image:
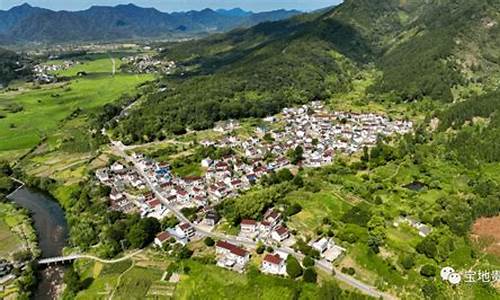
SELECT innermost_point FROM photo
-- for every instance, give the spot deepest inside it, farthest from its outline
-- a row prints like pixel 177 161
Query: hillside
pixel 418 48
pixel 30 24
pixel 12 66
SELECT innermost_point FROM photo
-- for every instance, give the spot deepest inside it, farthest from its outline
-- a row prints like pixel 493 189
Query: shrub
pixel 209 241
pixel 310 275
pixel 428 271
pixel 308 262
pixel 349 271
pixel 293 267
pixel 408 262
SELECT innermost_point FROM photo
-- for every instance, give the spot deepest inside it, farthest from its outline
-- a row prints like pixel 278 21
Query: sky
pixel 178 5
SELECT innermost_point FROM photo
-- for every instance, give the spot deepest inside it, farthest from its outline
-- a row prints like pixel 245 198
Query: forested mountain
pixel 30 24
pixel 431 48
pixel 12 66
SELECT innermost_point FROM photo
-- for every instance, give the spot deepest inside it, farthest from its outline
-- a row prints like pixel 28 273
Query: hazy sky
pixel 178 5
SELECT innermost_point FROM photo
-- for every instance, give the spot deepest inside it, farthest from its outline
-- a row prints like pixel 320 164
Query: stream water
pixel 52 230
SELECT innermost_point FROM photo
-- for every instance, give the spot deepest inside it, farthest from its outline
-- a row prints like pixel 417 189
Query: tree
pixel 184 253
pixel 284 175
pixel 72 281
pixel 293 267
pixel 298 181
pixel 143 232
pixel 428 271
pixel 310 275
pixel 308 262
pixel 169 222
pixel 295 155
pixel 359 214
pixel 349 270
pixel 430 291
pixel 293 209
pixel 137 236
pixel 260 249
pixel 428 247
pixel 5 168
pixel 209 241
pixel 408 261
pixel 6 184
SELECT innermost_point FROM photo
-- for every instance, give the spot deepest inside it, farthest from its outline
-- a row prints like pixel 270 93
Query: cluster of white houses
pixel 423 230
pixel 318 132
pixel 148 64
pixel 311 127
pixel 270 229
pixel 235 258
pixel 181 234
pixel 43 73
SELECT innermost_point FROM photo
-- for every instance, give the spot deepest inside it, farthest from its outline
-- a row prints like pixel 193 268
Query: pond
pixel 415 186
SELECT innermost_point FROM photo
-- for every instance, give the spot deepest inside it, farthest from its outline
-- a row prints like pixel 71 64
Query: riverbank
pixel 18 246
pixel 52 232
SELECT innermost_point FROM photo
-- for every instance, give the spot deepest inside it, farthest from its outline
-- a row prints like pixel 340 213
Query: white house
pixel 161 238
pixel 115 195
pixel 232 252
pixel 102 175
pixel 185 229
pixel 118 168
pixel 207 162
pixel 273 264
pixel 272 216
pixel 321 245
pixel 280 233
pixel 248 226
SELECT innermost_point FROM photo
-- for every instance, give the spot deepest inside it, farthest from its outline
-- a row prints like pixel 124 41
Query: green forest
pixel 258 71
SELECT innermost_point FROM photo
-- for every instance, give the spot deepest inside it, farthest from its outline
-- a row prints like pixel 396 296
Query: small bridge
pixel 58 259
pixel 72 257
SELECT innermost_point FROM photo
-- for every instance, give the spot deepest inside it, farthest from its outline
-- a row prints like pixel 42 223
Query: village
pixel 147 64
pixel 44 73
pixel 319 134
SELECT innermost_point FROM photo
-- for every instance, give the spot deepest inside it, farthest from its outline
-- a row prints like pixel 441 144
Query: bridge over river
pixel 72 257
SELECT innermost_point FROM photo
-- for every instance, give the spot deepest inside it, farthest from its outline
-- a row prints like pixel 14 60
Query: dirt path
pixel 111 261
pixel 119 279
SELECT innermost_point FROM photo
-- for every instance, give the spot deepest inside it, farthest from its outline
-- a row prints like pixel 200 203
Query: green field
pixel 315 207
pixel 212 282
pixel 44 108
pixel 9 241
pixel 16 232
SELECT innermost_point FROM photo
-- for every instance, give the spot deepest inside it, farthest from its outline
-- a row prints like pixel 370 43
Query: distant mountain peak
pixel 235 12
pixel 23 6
pixel 129 6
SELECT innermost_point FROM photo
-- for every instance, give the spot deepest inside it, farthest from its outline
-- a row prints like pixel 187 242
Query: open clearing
pixel 487 230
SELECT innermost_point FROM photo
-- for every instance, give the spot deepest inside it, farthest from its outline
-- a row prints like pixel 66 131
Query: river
pixel 52 230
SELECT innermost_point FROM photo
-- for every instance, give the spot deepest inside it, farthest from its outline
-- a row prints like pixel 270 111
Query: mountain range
pixel 438 49
pixel 25 23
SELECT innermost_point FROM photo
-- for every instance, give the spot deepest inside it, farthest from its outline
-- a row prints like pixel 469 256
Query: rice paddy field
pixel 30 113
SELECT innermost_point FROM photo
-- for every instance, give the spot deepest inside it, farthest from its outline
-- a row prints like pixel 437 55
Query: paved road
pixel 324 266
